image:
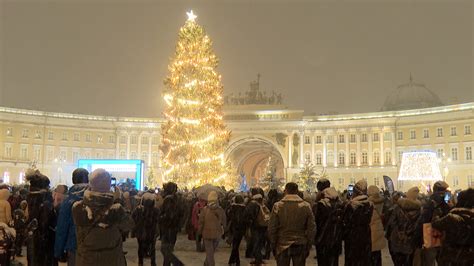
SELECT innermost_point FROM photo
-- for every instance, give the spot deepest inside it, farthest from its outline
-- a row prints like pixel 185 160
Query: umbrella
pixel 203 191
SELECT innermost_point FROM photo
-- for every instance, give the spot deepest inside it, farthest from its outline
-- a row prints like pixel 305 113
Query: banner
pixel 388 184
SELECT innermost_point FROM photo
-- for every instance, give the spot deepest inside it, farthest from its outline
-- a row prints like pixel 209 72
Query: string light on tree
pixel 194 136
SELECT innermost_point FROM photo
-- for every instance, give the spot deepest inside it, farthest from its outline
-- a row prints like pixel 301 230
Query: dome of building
pixel 411 96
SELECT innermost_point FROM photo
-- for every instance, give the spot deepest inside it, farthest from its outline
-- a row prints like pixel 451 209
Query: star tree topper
pixel 191 16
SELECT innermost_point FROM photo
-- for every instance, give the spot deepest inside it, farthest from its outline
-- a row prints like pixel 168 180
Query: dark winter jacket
pixel 146 218
pixel 328 212
pixel 65 228
pixel 458 242
pixel 401 227
pixel 236 217
pixel 40 226
pixel 357 236
pixel 251 213
pixel 99 226
pixel 434 209
pixel 171 214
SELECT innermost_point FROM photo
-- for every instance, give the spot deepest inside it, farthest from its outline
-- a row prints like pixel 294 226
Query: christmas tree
pixel 307 178
pixel 194 135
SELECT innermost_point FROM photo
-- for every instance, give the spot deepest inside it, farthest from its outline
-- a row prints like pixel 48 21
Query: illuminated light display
pixel 194 135
pixel 419 166
pixel 120 169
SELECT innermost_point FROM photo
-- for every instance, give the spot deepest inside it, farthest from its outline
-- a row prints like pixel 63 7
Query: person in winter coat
pixel 291 228
pixel 99 224
pixel 146 218
pixel 212 220
pixel 357 218
pixel 20 225
pixel 170 217
pixel 65 240
pixel 40 242
pixel 258 216
pixel 328 214
pixel 434 209
pixel 457 248
pixel 5 208
pixel 197 208
pixel 321 185
pixel 59 194
pixel 401 228
pixel 238 226
pixel 376 226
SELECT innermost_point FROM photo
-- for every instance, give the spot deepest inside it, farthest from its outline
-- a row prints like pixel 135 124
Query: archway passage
pixel 255 158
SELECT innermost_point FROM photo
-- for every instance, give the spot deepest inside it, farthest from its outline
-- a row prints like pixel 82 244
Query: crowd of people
pixel 87 223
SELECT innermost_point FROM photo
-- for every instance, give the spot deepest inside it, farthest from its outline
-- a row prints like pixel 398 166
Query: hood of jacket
pixel 78 189
pixel 359 200
pixel 409 204
pixel 4 194
pixel 292 198
pixel 98 201
pixel 330 193
pixel 376 199
pixel 463 212
pixel 213 205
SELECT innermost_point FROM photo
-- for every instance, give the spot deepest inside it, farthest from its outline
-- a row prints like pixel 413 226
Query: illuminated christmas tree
pixel 194 136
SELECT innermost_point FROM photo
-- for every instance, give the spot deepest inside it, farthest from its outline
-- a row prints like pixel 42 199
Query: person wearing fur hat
pixel 65 241
pixel 40 243
pixel 357 218
pixel 457 227
pixel 146 217
pixel 376 226
pixel 401 228
pixel 212 220
pixel 99 224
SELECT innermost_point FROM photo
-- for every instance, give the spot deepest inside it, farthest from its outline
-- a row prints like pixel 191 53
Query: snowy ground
pixel 185 251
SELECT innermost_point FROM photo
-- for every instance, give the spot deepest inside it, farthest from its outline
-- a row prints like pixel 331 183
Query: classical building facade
pixel 348 147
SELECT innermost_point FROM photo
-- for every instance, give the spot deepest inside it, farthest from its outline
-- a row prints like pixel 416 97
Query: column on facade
pixel 348 155
pixel 117 145
pixel 335 155
pixel 370 153
pixel 358 151
pixel 323 136
pixel 382 153
pixel 128 145
pixel 149 149
pixel 290 147
pixel 139 151
pixel 313 156
pixel 394 160
pixel 302 159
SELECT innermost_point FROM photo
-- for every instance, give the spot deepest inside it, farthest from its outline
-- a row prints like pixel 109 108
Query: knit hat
pixel 212 197
pixel 412 193
pixel 360 187
pixel 100 180
pixel 440 186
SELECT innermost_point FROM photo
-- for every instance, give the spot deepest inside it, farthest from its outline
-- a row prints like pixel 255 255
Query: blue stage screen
pixel 120 169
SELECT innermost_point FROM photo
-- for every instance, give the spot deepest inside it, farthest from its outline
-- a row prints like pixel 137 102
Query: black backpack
pixel 402 236
pixel 332 230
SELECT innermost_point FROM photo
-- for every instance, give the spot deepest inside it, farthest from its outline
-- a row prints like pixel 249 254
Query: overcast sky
pixel 110 57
